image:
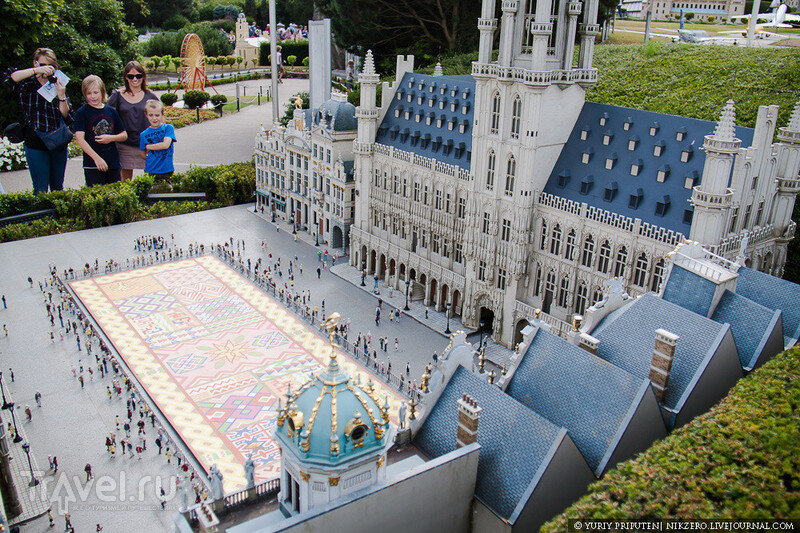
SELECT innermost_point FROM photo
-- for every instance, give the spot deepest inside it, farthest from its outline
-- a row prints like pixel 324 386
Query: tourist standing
pixel 97 128
pixel 129 102
pixel 46 134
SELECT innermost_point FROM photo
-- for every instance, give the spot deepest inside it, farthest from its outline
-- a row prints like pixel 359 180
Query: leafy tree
pixel 195 100
pixel 169 98
pixel 166 61
pixel 176 62
pixel 297 11
pixel 222 61
pixel 250 8
pixel 156 62
pixel 291 60
pixel 254 61
pixel 211 61
pixel 238 60
pixel 162 10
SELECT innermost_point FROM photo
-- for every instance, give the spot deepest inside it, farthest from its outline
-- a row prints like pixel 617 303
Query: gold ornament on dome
pixel 333 481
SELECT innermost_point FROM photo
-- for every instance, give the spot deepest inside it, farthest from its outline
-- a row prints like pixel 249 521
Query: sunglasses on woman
pixel 135 76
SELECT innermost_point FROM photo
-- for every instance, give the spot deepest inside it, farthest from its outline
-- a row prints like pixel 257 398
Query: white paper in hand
pixel 48 90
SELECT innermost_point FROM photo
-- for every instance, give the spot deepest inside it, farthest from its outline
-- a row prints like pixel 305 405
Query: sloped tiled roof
pixel 672 193
pixel 570 387
pixel 340 116
pixel 444 142
pixel 628 340
pixel 773 293
pixel 751 324
pixel 689 290
pixel 515 442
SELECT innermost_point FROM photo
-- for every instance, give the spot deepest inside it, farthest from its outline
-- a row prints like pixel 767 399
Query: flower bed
pixel 12 156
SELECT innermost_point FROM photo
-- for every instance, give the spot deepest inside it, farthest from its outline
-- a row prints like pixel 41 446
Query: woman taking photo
pixel 46 132
pixel 130 104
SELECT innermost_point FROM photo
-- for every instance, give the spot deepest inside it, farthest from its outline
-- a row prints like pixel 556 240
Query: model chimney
pixel 468 415
pixel 661 365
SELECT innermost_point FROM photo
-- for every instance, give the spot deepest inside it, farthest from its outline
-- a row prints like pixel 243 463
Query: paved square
pixel 214 352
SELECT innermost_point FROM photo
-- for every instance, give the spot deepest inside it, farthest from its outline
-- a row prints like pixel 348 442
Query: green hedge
pixel 288 48
pixel 93 207
pixel 739 460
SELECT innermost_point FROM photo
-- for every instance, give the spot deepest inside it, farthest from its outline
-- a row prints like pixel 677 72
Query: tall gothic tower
pixel 526 104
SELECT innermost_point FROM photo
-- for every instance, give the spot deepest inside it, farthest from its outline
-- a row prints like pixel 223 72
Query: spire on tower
pixel 725 130
pixel 794 120
pixel 437 71
pixel 369 64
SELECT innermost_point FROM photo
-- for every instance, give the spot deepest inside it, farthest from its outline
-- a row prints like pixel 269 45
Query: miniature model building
pixel 504 191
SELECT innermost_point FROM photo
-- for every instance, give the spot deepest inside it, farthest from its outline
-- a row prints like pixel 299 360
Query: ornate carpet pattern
pixel 214 352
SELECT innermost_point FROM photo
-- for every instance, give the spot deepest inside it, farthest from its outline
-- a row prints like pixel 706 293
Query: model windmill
pixel 193 64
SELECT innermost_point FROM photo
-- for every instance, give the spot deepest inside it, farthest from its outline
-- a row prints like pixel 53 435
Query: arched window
pixel 516 117
pixel 537 286
pixel 511 172
pixel 588 252
pixel 605 257
pixel 555 240
pixel 569 252
pixel 581 295
pixel 640 271
pixel 621 262
pixel 658 275
pixel 543 239
pixel 563 293
pixel 495 123
pixel 597 295
pixel 550 284
pixel 490 170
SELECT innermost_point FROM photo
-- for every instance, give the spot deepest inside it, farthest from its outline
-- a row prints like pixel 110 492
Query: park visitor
pixel 98 127
pixel 158 141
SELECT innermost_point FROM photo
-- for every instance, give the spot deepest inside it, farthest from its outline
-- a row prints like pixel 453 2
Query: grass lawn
pixel 672 27
pixel 244 101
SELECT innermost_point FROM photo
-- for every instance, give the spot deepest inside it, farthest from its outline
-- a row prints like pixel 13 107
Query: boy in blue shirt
pixel 97 128
pixel 158 141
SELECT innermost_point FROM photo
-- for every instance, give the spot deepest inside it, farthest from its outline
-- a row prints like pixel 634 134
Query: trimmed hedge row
pixel 739 460
pixel 118 203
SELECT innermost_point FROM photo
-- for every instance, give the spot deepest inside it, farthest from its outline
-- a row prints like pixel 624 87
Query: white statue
pixel 250 471
pixel 184 491
pixel 401 415
pixel 215 481
pixel 741 258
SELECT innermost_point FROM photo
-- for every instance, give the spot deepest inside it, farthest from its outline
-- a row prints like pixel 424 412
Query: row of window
pixel 420 238
pixel 746 220
pixel 587 257
pixel 516 115
pixel 502 275
pixel 420 193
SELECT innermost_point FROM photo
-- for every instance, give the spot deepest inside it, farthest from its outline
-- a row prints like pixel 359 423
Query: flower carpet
pixel 214 352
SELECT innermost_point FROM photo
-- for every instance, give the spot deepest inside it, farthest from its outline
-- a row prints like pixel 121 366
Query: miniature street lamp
pixel 447 312
pixel 363 275
pixel 27 448
pixel 17 438
pixel 6 404
pixel 408 284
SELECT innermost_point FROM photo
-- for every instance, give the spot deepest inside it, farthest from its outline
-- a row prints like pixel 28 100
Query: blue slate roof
pixel 751 324
pixel 774 293
pixel 340 116
pixel 689 290
pixel 611 189
pixel 516 443
pixel 628 340
pixel 593 399
pixel 443 142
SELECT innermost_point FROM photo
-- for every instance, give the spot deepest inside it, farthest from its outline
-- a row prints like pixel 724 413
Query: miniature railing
pixel 265 490
pixel 558 326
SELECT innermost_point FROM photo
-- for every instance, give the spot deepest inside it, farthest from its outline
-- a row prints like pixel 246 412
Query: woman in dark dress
pixel 130 103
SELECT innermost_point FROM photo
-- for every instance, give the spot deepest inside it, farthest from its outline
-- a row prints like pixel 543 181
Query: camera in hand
pixel 52 79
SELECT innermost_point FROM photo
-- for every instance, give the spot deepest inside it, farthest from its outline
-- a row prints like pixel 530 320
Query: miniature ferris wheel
pixel 193 64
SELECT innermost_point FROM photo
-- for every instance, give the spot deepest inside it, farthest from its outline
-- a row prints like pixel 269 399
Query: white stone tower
pixel 712 198
pixel 526 104
pixel 367 115
pixel 788 163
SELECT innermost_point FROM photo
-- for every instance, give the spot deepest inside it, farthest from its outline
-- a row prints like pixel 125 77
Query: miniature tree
pixel 291 60
pixel 195 100
pixel 169 98
pixel 176 62
pixel 211 61
pixel 305 61
pixel 156 62
pixel 167 61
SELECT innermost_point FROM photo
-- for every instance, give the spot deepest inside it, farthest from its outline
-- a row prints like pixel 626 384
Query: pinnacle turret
pixel 794 120
pixel 369 64
pixel 437 71
pixel 725 130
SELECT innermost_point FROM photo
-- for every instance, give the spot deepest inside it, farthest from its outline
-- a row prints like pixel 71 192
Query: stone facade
pixel 304 172
pixel 487 240
pixel 719 9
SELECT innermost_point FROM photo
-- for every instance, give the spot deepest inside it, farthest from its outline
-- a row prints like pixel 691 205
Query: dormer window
pixel 431 87
pixel 584 133
pixel 686 154
pixel 429 118
pixel 397 111
pixel 663 174
pixel 442 103
pixel 400 94
pixel 654 129
pixel 451 124
pixel 632 143
pixel 443 89
pixel 408 113
pixel 462 128
pixel 628 123
pixel 415 138
pixel 607 137
pixel 691 180
pixel 658 149
pixel 410 83
pixel 636 167
pixel 394 131
pixel 439 121
pixel 410 97
pixel 465 108
pixel 418 116
pixel 437 142
pixel 420 99
pixel 454 106
pixel 687 215
pixel 586 156
pixel 586 184
pixel 431 101
pixel 454 91
pixel 465 94
pixel 421 85
pixel 610 192
pixel 611 160
pixel 603 119
pixel 680 134
pixel 662 206
pixel 563 178
pixel 636 199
